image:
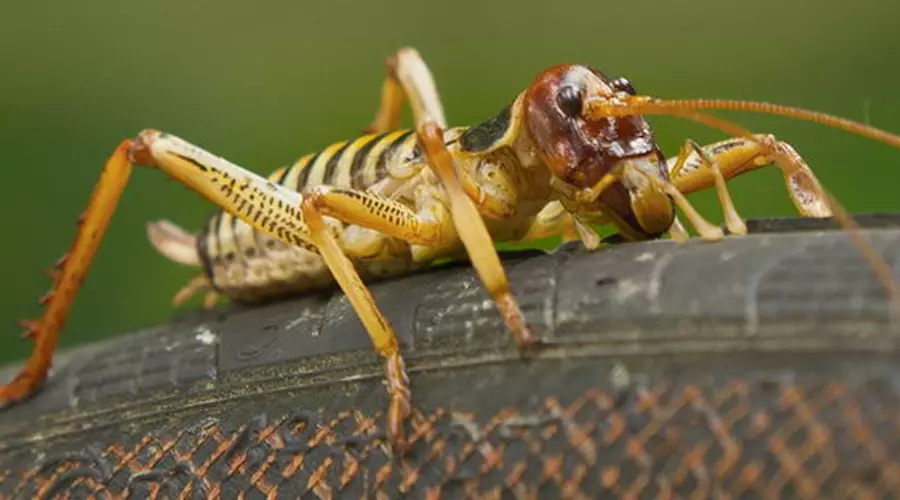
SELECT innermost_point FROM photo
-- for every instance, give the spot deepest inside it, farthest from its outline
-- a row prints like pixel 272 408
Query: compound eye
pixel 622 84
pixel 569 101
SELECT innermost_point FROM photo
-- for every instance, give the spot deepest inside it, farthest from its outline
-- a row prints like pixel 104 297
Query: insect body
pixel 569 151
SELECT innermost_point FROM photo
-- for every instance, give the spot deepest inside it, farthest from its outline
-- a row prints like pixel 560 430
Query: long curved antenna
pixel 644 105
pixel 686 108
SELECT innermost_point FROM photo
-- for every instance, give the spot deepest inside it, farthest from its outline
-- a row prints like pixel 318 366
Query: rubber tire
pixel 759 365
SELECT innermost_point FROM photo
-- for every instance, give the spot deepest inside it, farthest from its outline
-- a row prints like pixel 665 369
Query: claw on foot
pixel 400 401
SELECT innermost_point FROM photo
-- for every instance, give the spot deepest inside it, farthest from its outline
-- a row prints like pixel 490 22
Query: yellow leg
pixel 733 221
pixel 739 155
pixel 361 299
pixel 372 211
pixel 555 220
pixel 408 77
pixel 473 233
pixel 270 208
pixel 408 71
pixel 707 230
pixel 198 284
pixel 677 232
pixel 69 276
pixel 552 220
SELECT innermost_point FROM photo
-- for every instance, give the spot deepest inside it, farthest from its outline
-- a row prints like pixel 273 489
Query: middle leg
pixel 434 225
pixel 409 76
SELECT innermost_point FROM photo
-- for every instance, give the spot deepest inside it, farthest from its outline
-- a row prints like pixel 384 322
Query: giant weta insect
pixel 570 151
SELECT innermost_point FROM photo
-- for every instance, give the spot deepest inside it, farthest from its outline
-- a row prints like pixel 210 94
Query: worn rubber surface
pixel 754 367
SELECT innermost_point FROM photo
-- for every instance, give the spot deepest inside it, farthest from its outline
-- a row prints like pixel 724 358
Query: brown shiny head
pixel 579 149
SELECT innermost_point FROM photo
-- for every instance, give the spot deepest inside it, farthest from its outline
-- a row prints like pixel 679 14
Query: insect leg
pixel 733 221
pixel 741 154
pixel 676 231
pixel 407 77
pixel 555 220
pixel 551 221
pixel 473 232
pixel 375 212
pixel 430 227
pixel 270 208
pixel 409 71
pixel 359 296
pixel 180 246
pixel 286 216
pixel 69 275
pixel 197 284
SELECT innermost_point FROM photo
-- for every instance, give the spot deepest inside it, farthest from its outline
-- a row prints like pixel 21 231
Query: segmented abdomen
pixel 246 264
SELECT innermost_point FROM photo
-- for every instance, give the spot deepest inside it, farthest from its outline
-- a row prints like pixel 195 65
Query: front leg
pixel 733 221
pixel 742 154
pixel 552 220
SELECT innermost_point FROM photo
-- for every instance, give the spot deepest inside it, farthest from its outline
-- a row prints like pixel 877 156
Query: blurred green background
pixel 263 83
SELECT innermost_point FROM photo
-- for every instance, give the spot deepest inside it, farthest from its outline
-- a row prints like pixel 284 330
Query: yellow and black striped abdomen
pixel 358 163
pixel 246 264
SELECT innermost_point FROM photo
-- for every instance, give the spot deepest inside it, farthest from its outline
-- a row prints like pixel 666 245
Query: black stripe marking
pixel 485 135
pixel 203 168
pixel 381 166
pixel 359 161
pixel 331 165
pixel 203 253
pixel 284 175
pixel 725 146
pixel 234 232
pixel 214 227
pixel 303 177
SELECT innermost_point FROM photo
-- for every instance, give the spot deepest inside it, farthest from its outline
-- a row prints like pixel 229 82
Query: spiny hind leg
pixel 742 154
pixel 178 245
pixel 287 216
pixel 408 77
pixel 68 275
pixel 292 218
pixel 236 190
